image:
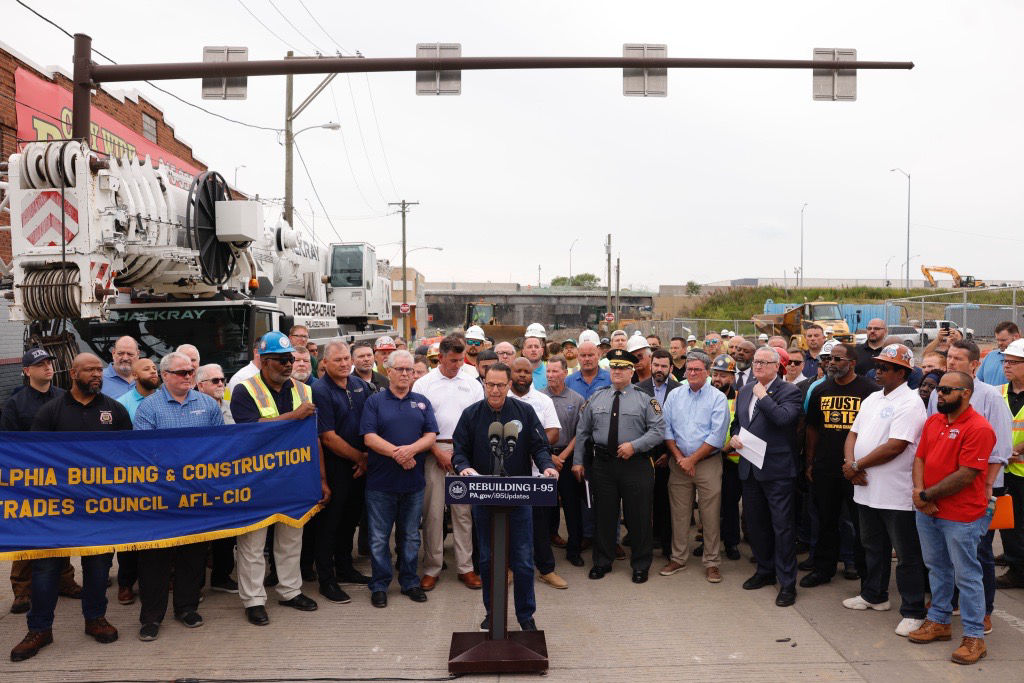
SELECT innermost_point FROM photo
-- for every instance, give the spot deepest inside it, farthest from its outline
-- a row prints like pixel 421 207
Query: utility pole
pixel 608 253
pixel 538 276
pixel 289 197
pixel 618 301
pixel 404 208
pixel 802 243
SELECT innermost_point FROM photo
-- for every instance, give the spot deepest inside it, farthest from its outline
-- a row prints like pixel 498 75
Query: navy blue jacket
pixel 472 449
pixel 775 420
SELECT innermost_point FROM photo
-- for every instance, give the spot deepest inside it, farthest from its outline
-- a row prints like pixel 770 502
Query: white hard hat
pixel 636 342
pixel 1015 349
pixel 829 330
pixel 589 336
pixel 536 330
pixel 724 333
pixel 762 337
pixel 619 333
pixel 475 332
pixel 732 333
pixel 691 338
pixel 827 347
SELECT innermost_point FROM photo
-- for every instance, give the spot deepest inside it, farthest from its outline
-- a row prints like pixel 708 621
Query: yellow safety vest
pixel 301 393
pixel 732 415
pixel 1018 432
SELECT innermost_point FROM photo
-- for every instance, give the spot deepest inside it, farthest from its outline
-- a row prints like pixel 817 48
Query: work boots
pixel 970 651
pixel 31 644
pixel 931 631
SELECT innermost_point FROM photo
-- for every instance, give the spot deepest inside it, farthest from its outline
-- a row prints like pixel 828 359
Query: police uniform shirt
pixel 472 448
pixel 22 407
pixel 339 410
pixel 66 414
pixel 244 408
pixel 640 421
pixel 568 405
pixel 400 422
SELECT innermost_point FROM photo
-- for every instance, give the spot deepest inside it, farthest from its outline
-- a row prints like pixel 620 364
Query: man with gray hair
pixel 695 424
pixel 117 377
pixel 210 380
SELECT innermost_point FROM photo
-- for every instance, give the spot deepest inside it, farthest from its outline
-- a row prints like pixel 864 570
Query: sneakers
pixel 931 631
pixel 1010 579
pixel 554 580
pixel 149 632
pixel 907 625
pixel 671 568
pixel 857 602
pixel 190 619
pixel 713 575
pixel 30 645
pixel 970 651
pixel 227 585
pixel 333 593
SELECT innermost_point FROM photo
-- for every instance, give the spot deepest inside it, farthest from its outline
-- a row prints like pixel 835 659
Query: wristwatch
pixel 854 466
pixel 923 495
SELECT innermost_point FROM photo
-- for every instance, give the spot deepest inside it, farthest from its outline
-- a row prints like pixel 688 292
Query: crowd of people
pixel 847 453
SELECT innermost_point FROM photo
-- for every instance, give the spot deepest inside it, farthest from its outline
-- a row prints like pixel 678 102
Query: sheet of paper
pixel 753 448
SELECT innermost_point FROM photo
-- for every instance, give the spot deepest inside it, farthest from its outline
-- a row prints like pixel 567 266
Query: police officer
pixel 273 395
pixel 624 425
pixel 472 455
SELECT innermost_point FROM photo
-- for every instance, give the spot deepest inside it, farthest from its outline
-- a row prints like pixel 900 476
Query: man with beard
pixel 117 377
pixel 833 408
pixel 382 348
pixel 872 346
pixel 18 415
pixel 677 347
pixel 569 351
pixel 474 344
pixel 522 388
pixel 147 380
pixel 952 501
pixel 362 366
pixel 533 351
pixel 742 352
pixel 638 346
pixel 82 409
pixel 302 367
pixel 879 455
pixel 723 371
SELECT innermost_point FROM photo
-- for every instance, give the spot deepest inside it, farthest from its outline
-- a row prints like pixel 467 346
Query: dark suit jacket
pixel 775 420
pixel 647 386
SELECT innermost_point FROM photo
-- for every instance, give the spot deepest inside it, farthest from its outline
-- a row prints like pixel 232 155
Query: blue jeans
pixel 402 511
pixel 520 550
pixel 46 584
pixel 950 551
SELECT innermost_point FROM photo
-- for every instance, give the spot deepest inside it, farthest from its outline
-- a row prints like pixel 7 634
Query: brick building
pixel 32 108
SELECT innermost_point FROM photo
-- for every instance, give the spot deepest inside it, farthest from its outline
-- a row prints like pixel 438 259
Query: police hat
pixel 620 358
pixel 33 356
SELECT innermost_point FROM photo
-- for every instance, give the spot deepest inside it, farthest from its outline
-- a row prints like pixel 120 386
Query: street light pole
pixel 404 208
pixel 235 186
pixel 885 273
pixel 908 222
pixel 570 259
pixel 802 243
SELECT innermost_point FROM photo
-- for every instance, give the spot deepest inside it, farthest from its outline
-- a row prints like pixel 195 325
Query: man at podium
pixel 521 442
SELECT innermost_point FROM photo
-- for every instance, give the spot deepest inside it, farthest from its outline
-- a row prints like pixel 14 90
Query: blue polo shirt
pixel 131 400
pixel 160 410
pixel 540 377
pixel 399 421
pixel 991 370
pixel 576 382
pixel 113 384
pixel 340 410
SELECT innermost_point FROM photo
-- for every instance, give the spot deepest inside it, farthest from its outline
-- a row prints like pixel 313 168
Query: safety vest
pixel 735 457
pixel 301 393
pixel 1018 432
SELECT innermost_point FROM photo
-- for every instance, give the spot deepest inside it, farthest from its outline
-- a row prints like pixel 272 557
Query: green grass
pixel 743 302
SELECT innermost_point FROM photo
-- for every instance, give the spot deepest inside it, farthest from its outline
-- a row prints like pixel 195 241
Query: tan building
pixel 419 322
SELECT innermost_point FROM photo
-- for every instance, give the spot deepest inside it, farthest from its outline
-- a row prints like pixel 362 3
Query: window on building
pixel 149 127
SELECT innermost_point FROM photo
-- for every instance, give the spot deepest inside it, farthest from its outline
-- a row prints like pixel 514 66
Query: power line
pixel 321 26
pixel 294 27
pixel 270 30
pixel 348 158
pixel 317 194
pixel 150 83
pixel 362 138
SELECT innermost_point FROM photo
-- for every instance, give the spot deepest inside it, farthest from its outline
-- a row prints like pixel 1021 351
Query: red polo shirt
pixel 944 447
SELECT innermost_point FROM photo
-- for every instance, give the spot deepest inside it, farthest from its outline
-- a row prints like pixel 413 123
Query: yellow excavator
pixel 958 279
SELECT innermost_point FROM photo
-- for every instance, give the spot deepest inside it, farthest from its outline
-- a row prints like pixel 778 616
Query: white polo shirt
pixel 449 397
pixel 545 409
pixel 899 415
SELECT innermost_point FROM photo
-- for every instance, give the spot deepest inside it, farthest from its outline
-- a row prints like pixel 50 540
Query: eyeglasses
pixel 403 371
pixel 1012 363
pixel 762 363
pixel 282 360
pixel 495 385
pixel 181 373
pixel 875 328
pixel 946 391
pixel 474 342
pixel 300 336
pixel 695 370
pixel 215 380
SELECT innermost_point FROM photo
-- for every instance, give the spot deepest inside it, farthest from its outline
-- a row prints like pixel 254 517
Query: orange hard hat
pixel 897 354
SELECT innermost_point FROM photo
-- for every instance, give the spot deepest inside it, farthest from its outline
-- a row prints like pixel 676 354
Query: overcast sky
pixel 705 184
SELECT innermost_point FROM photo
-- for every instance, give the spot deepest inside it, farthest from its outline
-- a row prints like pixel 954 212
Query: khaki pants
pixel 21 577
pixel 707 485
pixel 433 523
pixel 251 567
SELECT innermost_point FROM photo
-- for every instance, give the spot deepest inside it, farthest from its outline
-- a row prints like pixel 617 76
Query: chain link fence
pixel 698 327
pixel 976 310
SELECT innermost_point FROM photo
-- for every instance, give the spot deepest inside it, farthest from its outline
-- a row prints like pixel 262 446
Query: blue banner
pixel 64 493
pixel 491 490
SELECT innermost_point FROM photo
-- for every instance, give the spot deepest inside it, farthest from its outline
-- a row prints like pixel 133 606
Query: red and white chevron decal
pixel 40 218
pixel 102 273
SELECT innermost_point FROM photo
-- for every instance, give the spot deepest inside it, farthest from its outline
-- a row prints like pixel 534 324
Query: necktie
pixel 613 424
pixel 739 379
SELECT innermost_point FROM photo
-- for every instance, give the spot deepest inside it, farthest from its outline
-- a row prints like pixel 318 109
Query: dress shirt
pixel 693 418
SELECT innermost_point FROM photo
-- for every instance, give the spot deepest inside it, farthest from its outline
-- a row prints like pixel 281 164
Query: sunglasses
pixel 181 373
pixel 794 361
pixel 474 342
pixel 215 380
pixel 946 391
pixel 281 360
pixel 882 367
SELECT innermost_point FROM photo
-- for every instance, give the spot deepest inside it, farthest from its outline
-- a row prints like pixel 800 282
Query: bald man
pixel 147 380
pixel 872 346
pixel 117 377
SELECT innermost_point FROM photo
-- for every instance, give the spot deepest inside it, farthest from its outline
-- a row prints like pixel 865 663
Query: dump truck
pixel 794 321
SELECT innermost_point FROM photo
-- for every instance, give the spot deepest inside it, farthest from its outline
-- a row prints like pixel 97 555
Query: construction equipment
pixel 958 279
pixel 482 313
pixel 794 321
pixel 118 246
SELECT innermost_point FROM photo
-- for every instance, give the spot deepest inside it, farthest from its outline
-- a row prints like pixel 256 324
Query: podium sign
pixel 499 650
pixel 512 491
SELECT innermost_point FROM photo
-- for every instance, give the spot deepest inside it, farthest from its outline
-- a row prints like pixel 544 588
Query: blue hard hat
pixel 275 342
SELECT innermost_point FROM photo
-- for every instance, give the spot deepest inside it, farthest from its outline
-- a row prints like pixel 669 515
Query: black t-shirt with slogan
pixel 831 410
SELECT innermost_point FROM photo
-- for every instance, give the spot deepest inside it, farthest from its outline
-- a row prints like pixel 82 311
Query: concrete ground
pixel 671 628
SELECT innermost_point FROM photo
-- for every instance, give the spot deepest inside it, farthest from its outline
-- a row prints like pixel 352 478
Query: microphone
pixel 494 437
pixel 511 436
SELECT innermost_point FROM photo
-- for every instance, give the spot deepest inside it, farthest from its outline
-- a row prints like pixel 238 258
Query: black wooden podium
pixel 499 650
